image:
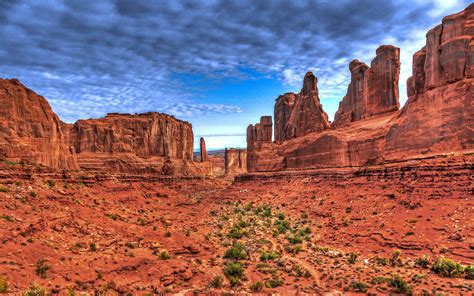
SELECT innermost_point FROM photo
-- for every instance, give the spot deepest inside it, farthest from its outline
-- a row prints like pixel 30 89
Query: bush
pixel 3 285
pixel 256 287
pixel 35 290
pixel 447 268
pixel 295 239
pixel 269 255
pixel 352 258
pixel 359 287
pixel 41 268
pixel 469 270
pixel 422 262
pixel 274 282
pixel 164 255
pixel 236 232
pixel 4 189
pixel 399 285
pixel 234 271
pixel 216 282
pixel 395 258
pixel 92 247
pixel 237 252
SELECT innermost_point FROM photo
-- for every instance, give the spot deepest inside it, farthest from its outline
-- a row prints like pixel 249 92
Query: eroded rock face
pixel 439 114
pixel 260 132
pixel 437 119
pixel 235 161
pixel 202 149
pixel 133 143
pixel 373 90
pixel 299 114
pixel 29 129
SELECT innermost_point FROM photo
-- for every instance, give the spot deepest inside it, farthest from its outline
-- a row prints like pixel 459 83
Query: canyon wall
pixel 30 132
pixel 438 117
pixel 373 90
pixel 235 161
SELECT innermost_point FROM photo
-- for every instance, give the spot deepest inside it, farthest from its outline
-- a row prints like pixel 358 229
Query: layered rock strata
pixel 235 161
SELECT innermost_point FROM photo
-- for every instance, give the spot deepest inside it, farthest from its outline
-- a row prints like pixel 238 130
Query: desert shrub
pixel 295 239
pixel 399 285
pixel 236 252
pixel 50 183
pixel 280 216
pixel 274 282
pixel 41 268
pixel 164 255
pixel 35 290
pixel 469 271
pixel 216 282
pixel 4 189
pixel 422 262
pixel 377 280
pixel 70 292
pixel 256 287
pixel 3 285
pixel 352 258
pixel 33 194
pixel 395 258
pixel 269 255
pixel 358 286
pixel 282 226
pixel 380 261
pixel 92 247
pixel 234 271
pixel 236 232
pixel 447 267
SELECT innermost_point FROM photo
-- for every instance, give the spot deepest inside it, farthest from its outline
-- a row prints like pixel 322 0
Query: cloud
pixel 93 57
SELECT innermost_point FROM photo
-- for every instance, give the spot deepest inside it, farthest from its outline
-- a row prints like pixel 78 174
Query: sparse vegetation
pixel 234 271
pixel 164 255
pixel 3 285
pixel 269 255
pixel 41 268
pixel 395 258
pixel 4 189
pixel 216 282
pixel 399 285
pixel 236 252
pixel 358 286
pixel 352 258
pixel 257 286
pixel 35 290
pixel 422 262
pixel 447 268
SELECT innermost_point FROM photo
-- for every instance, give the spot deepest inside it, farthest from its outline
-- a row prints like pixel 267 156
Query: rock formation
pixel 373 90
pixel 261 132
pixel 132 143
pixel 439 114
pixel 298 115
pixel 202 146
pixel 437 119
pixel 30 131
pixel 235 161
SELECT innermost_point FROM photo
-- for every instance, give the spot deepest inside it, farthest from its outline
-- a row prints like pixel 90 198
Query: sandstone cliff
pixel 437 119
pixel 29 129
pixel 301 114
pixel 235 161
pixel 373 90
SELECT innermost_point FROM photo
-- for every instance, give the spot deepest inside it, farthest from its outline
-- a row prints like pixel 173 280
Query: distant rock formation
pixel 235 161
pixel 30 131
pixel 298 115
pixel 372 91
pixel 437 119
pixel 261 132
pixel 202 146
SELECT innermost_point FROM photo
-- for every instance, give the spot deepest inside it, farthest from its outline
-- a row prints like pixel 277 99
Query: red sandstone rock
pixel 261 132
pixel 29 129
pixel 373 90
pixel 235 161
pixel 437 119
pixel 298 115
pixel 202 146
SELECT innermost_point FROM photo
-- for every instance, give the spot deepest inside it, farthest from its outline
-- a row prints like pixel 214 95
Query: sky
pixel 219 64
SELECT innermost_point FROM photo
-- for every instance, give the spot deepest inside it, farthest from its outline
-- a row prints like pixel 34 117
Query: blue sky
pixel 219 64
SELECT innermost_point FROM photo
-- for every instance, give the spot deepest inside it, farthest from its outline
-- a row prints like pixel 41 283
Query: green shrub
pixel 3 285
pixel 274 282
pixel 35 290
pixel 237 252
pixel 280 216
pixel 359 287
pixel 164 255
pixel 4 189
pixel 256 287
pixel 216 282
pixel 380 261
pixel 234 271
pixel 236 232
pixel 33 194
pixel 395 258
pixel 469 271
pixel 269 255
pixel 92 247
pixel 41 268
pixel 295 239
pixel 399 285
pixel 377 280
pixel 447 267
pixel 352 259
pixel 422 262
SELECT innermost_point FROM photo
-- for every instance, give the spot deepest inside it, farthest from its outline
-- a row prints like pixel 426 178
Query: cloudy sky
pixel 218 64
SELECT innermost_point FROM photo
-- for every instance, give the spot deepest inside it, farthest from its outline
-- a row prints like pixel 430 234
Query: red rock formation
pixel 439 114
pixel 261 132
pixel 298 115
pixel 29 129
pixel 373 90
pixel 437 119
pixel 133 143
pixel 202 146
pixel 235 161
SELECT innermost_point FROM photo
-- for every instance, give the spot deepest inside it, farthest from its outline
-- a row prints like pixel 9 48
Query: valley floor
pixel 288 235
